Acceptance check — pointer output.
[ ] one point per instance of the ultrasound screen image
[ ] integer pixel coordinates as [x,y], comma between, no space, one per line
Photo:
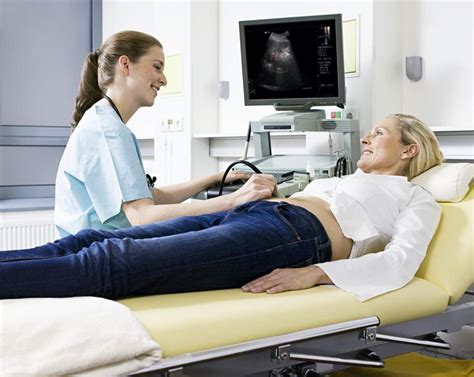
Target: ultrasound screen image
[292,60]
[279,70]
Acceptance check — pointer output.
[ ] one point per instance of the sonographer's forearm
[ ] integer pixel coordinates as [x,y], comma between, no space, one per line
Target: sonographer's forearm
[179,192]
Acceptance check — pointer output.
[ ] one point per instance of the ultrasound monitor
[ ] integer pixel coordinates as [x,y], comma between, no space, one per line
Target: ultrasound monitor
[293,63]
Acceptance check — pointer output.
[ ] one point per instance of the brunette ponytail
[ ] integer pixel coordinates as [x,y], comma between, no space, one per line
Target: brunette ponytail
[89,91]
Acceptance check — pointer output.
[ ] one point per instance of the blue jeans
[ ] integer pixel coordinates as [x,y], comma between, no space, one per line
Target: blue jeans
[193,253]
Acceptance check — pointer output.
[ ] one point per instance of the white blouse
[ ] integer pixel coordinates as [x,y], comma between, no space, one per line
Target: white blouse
[391,222]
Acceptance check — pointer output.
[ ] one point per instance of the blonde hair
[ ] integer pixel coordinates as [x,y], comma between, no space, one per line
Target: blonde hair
[98,70]
[414,131]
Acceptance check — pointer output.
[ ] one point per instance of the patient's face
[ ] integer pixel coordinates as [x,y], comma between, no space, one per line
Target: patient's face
[382,150]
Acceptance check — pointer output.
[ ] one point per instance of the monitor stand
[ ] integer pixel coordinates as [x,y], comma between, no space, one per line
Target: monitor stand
[303,108]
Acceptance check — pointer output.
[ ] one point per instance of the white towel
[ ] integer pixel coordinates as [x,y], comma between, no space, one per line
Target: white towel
[78,335]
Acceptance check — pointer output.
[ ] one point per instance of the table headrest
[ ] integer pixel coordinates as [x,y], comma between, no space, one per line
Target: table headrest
[448,182]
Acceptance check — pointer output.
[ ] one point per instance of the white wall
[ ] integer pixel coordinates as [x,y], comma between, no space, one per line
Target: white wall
[204,39]
[387,62]
[442,33]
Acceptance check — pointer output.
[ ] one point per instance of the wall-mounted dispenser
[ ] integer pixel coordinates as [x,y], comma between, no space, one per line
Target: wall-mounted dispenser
[414,67]
[223,90]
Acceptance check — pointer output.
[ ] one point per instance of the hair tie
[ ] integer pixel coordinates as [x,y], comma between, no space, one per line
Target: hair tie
[97,52]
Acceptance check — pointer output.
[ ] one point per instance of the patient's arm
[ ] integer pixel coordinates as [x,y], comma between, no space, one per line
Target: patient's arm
[288,279]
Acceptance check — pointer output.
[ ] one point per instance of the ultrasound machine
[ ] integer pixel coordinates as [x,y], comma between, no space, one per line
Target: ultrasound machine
[295,64]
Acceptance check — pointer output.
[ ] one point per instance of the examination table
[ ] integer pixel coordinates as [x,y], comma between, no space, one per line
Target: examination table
[229,333]
[322,329]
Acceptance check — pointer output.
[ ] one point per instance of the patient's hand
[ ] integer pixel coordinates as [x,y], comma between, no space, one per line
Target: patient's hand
[288,279]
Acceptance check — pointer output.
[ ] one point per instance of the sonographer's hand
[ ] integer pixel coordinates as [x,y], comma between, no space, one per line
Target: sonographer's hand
[234,175]
[258,186]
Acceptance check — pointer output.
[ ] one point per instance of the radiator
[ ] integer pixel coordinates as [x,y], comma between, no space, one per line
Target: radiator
[22,230]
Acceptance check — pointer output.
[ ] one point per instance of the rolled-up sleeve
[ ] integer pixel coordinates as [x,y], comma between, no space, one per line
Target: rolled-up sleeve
[376,273]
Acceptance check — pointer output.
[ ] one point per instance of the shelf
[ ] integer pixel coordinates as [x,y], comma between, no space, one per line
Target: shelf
[457,131]
[243,136]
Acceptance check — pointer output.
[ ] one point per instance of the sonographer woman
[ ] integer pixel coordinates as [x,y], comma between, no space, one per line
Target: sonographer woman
[101,183]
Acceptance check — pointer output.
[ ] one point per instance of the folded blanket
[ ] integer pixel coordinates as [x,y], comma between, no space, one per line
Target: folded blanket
[78,335]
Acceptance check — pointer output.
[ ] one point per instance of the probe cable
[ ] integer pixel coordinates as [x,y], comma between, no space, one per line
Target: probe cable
[249,164]
[247,142]
[341,163]
[341,167]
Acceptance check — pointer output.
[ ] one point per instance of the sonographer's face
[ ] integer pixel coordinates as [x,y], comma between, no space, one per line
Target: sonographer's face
[147,77]
[382,150]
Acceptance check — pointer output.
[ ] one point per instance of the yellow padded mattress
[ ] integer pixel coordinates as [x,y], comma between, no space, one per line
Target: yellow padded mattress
[189,322]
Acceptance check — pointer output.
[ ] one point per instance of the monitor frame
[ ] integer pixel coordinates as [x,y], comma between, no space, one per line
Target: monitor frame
[303,102]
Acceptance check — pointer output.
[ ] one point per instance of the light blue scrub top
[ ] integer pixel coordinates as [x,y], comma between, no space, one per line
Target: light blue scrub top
[101,168]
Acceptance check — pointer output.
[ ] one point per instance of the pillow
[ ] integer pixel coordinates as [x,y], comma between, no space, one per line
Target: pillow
[448,182]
